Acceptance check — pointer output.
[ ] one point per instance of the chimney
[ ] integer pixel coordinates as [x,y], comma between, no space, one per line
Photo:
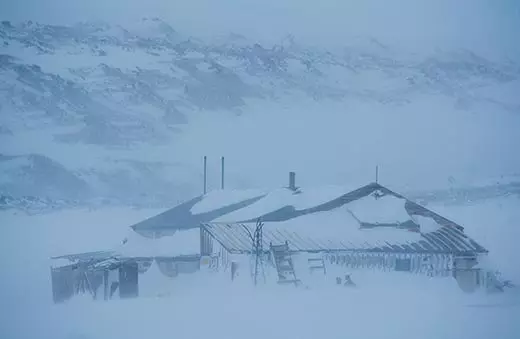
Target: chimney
[292,181]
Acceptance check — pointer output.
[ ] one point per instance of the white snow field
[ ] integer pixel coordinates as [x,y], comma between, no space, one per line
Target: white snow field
[204,305]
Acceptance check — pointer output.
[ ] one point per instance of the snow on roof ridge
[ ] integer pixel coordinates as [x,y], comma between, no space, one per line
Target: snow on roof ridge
[376,210]
[275,200]
[281,204]
[216,199]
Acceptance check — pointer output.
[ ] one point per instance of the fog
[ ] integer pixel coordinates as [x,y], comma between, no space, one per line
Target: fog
[488,26]
[432,101]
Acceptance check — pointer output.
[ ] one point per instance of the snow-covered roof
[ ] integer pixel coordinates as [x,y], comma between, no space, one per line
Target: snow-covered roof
[243,206]
[183,242]
[371,205]
[182,217]
[332,230]
[387,209]
[84,256]
[60,262]
[338,230]
[221,198]
[370,218]
[283,197]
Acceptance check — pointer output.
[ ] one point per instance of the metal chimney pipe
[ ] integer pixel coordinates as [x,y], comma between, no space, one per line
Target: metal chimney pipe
[205,173]
[222,174]
[292,181]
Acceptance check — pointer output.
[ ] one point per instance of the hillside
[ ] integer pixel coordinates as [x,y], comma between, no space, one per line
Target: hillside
[125,113]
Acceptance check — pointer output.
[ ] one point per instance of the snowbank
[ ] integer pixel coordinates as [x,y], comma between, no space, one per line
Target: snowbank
[494,223]
[382,306]
[397,307]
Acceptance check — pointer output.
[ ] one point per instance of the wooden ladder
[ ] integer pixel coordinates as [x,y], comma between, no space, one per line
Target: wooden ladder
[283,263]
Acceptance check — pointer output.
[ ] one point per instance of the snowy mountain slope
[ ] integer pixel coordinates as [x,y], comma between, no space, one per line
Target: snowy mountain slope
[36,175]
[33,181]
[103,72]
[130,110]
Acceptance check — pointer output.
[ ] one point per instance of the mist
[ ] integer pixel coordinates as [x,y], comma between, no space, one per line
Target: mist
[108,107]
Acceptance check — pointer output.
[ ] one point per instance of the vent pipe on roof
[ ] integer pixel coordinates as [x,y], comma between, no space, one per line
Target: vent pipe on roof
[205,173]
[222,173]
[292,181]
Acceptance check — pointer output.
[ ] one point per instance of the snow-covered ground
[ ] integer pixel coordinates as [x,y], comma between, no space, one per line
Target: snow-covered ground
[495,224]
[204,305]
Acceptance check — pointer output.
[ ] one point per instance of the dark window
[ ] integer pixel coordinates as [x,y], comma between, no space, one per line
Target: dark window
[403,265]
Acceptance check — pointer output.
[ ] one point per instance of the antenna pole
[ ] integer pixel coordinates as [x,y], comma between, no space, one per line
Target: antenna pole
[222,173]
[377,174]
[205,173]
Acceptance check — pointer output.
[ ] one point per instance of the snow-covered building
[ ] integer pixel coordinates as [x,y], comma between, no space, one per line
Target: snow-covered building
[370,226]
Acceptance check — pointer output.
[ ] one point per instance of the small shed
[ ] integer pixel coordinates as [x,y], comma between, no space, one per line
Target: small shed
[116,273]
